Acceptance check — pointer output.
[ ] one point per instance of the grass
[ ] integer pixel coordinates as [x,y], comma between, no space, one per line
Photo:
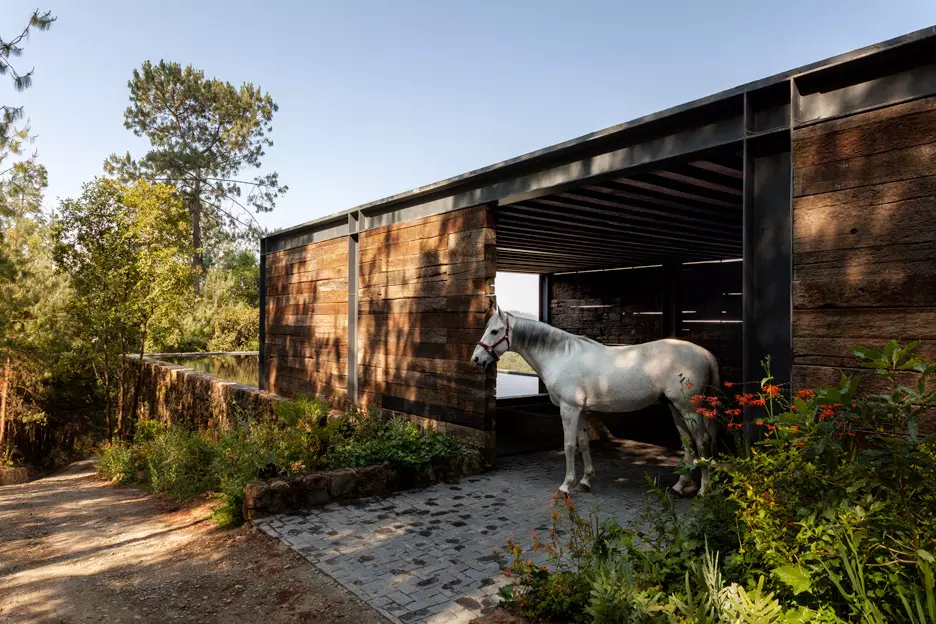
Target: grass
[513,362]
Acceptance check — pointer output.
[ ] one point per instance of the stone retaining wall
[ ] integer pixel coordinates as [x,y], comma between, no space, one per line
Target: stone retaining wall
[13,476]
[180,396]
[264,498]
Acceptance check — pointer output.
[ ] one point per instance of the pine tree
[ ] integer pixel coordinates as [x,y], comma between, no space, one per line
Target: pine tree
[203,133]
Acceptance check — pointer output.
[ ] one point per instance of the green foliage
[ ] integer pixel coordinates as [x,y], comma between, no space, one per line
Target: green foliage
[305,435]
[826,518]
[203,133]
[12,138]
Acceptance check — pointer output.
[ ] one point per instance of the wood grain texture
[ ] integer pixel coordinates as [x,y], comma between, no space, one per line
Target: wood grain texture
[903,164]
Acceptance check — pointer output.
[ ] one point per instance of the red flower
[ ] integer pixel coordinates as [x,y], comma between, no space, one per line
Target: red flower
[733,412]
[728,384]
[697,399]
[795,427]
[758,402]
[805,393]
[772,390]
[713,401]
[759,423]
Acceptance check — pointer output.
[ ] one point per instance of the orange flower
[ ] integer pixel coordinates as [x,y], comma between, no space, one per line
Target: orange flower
[733,412]
[772,390]
[805,393]
[697,399]
[713,401]
[795,427]
[758,402]
[759,423]
[728,384]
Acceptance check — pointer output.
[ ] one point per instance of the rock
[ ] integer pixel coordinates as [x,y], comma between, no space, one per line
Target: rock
[372,480]
[256,495]
[342,482]
[314,489]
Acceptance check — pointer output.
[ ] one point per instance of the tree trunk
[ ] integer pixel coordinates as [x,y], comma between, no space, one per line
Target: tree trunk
[107,394]
[195,210]
[4,389]
[121,394]
[139,384]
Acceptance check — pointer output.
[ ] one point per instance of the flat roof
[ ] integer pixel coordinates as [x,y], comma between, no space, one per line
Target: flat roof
[547,155]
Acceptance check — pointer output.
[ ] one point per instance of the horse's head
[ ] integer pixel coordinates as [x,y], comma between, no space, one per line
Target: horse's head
[495,341]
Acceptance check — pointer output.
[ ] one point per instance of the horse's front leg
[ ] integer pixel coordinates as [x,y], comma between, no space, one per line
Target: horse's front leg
[585,484]
[570,424]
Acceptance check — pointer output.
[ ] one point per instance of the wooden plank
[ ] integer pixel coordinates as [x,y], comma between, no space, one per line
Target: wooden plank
[892,133]
[867,196]
[440,413]
[892,284]
[865,259]
[309,308]
[903,164]
[300,288]
[464,399]
[471,218]
[461,320]
[375,376]
[309,331]
[336,354]
[449,368]
[302,367]
[314,275]
[844,226]
[836,351]
[420,247]
[409,348]
[865,119]
[426,289]
[373,275]
[882,324]
[817,376]
[334,296]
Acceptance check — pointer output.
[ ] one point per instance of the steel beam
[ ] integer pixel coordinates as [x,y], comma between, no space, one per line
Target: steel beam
[768,258]
[354,267]
[261,367]
[545,309]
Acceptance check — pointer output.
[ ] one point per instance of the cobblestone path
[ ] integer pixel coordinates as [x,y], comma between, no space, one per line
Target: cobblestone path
[426,555]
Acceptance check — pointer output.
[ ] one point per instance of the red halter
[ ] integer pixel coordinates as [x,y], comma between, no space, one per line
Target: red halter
[505,338]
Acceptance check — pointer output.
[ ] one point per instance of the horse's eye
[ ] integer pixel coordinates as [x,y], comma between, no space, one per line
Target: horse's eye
[493,331]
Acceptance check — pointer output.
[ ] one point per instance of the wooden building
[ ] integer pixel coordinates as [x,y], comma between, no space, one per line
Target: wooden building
[794,216]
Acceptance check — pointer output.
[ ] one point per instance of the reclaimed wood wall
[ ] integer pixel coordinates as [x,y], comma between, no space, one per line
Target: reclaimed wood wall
[864,238]
[422,308]
[306,343]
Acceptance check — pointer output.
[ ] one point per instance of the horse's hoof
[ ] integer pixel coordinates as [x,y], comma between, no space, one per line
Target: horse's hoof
[582,487]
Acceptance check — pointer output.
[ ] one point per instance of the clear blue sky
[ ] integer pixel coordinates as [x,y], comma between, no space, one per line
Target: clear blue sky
[379,97]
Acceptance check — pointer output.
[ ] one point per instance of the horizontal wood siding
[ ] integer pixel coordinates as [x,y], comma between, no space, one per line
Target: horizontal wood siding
[306,345]
[422,307]
[864,238]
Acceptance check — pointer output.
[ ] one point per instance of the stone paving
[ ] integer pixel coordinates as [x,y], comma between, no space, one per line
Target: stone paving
[426,555]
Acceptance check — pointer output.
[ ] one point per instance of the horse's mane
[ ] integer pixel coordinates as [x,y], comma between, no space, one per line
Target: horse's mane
[536,334]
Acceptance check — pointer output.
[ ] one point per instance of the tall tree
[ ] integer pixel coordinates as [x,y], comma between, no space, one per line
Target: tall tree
[203,133]
[126,252]
[11,137]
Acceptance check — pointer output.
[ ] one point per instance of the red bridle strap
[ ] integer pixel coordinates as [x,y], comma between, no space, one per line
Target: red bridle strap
[505,338]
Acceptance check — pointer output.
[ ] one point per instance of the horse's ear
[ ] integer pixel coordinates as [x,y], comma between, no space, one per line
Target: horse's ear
[499,312]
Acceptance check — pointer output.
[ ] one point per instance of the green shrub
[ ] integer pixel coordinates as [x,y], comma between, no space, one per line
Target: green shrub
[305,435]
[117,461]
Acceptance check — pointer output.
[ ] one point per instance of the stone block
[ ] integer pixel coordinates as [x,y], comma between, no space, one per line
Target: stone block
[341,482]
[13,476]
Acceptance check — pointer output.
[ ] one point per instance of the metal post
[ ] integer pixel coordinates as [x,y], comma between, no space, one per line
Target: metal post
[671,311]
[545,301]
[353,273]
[262,382]
[768,258]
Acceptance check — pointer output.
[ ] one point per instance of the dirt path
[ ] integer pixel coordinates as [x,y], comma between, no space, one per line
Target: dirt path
[75,549]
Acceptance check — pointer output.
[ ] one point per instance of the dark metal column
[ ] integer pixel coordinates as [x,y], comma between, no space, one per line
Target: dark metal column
[768,257]
[261,382]
[353,272]
[545,301]
[671,311]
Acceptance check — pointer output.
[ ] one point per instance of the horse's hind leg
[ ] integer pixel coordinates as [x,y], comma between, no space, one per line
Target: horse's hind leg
[585,484]
[570,424]
[685,485]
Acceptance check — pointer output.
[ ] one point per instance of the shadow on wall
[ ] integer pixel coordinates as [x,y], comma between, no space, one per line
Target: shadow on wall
[864,238]
[422,307]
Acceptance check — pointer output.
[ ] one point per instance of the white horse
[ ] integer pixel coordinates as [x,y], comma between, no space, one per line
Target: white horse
[583,376]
